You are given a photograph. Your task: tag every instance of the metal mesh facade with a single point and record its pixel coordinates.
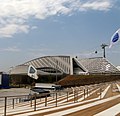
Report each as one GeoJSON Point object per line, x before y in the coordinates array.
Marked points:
{"type": "Point", "coordinates": [98, 65]}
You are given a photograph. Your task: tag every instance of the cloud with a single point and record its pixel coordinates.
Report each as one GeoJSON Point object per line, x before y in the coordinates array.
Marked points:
{"type": "Point", "coordinates": [34, 27]}
{"type": "Point", "coordinates": [15, 14]}
{"type": "Point", "coordinates": [103, 5]}
{"type": "Point", "coordinates": [10, 49]}
{"type": "Point", "coordinates": [11, 29]}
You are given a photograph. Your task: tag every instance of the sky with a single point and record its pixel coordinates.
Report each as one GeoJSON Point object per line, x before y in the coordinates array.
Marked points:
{"type": "Point", "coordinates": [34, 28]}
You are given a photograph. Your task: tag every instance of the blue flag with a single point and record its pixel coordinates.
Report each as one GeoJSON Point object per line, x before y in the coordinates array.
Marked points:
{"type": "Point", "coordinates": [115, 38]}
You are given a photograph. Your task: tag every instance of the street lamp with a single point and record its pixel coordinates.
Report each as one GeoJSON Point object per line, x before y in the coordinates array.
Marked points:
{"type": "Point", "coordinates": [103, 47]}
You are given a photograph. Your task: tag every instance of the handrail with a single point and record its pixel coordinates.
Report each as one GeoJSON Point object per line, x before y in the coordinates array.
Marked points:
{"type": "Point", "coordinates": [30, 97]}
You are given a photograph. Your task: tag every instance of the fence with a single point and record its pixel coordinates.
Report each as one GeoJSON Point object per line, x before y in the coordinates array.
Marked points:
{"type": "Point", "coordinates": [11, 101]}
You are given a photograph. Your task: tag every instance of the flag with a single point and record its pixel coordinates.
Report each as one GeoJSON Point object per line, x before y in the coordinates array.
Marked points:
{"type": "Point", "coordinates": [115, 38]}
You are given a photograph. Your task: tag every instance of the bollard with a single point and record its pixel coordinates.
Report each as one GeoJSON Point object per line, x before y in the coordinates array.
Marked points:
{"type": "Point", "coordinates": [35, 102]}
{"type": "Point", "coordinates": [67, 96]}
{"type": "Point", "coordinates": [56, 99]}
{"type": "Point", "coordinates": [87, 91]}
{"type": "Point", "coordinates": [84, 93]}
{"type": "Point", "coordinates": [13, 102]}
{"type": "Point", "coordinates": [74, 96]}
{"type": "Point", "coordinates": [46, 100]}
{"type": "Point", "coordinates": [19, 100]}
{"type": "Point", "coordinates": [100, 92]}
{"type": "Point", "coordinates": [5, 108]}
{"type": "Point", "coordinates": [77, 95]}
{"type": "Point", "coordinates": [31, 100]}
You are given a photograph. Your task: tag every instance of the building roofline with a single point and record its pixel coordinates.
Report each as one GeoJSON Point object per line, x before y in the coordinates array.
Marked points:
{"type": "Point", "coordinates": [48, 56]}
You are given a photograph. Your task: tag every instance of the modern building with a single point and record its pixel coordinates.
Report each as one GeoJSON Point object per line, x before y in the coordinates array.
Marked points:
{"type": "Point", "coordinates": [59, 65]}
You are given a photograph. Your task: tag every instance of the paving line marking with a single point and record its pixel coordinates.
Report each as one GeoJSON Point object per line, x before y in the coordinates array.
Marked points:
{"type": "Point", "coordinates": [118, 87]}
{"type": "Point", "coordinates": [72, 110]}
{"type": "Point", "coordinates": [104, 92]}
{"type": "Point", "coordinates": [113, 111]}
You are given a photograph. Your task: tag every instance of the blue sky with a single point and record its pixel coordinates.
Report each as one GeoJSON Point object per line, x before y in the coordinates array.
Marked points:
{"type": "Point", "coordinates": [33, 28]}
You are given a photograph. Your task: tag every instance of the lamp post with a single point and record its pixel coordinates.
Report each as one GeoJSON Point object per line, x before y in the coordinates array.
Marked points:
{"type": "Point", "coordinates": [103, 47]}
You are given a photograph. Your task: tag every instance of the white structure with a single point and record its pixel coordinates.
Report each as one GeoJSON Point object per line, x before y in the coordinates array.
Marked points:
{"type": "Point", "coordinates": [58, 65]}
{"type": "Point", "coordinates": [24, 70]}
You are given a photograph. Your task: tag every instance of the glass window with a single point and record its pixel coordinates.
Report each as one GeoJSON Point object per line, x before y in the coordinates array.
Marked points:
{"type": "Point", "coordinates": [32, 70]}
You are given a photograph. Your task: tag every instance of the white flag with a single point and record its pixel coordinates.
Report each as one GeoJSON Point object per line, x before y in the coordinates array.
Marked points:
{"type": "Point", "coordinates": [115, 38]}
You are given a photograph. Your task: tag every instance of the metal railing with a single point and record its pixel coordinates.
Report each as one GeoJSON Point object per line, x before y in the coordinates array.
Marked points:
{"type": "Point", "coordinates": [11, 101]}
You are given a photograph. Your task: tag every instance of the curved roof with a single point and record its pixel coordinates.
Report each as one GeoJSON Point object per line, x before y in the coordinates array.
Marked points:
{"type": "Point", "coordinates": [52, 64]}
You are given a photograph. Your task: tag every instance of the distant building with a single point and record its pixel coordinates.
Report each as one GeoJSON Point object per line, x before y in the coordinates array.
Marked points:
{"type": "Point", "coordinates": [4, 80]}
{"type": "Point", "coordinates": [59, 65]}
